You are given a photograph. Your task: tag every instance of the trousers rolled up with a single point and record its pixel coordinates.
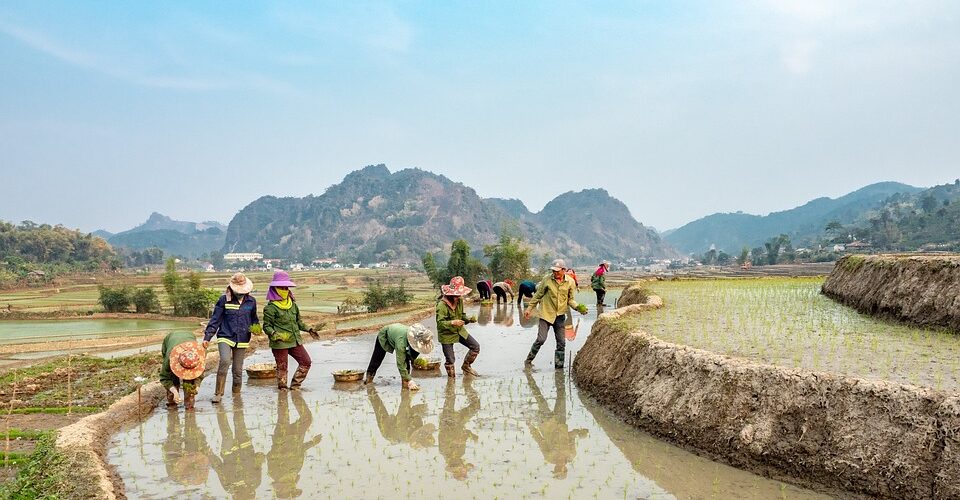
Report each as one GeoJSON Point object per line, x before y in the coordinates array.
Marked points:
{"type": "Point", "coordinates": [231, 356]}
{"type": "Point", "coordinates": [542, 330]}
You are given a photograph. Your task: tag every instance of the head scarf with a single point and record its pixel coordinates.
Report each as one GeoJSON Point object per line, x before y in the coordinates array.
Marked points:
{"type": "Point", "coordinates": [272, 294]}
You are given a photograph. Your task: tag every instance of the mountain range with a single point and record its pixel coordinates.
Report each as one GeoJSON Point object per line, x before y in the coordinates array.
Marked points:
{"type": "Point", "coordinates": [187, 239]}
{"type": "Point", "coordinates": [732, 231]}
{"type": "Point", "coordinates": [375, 215]}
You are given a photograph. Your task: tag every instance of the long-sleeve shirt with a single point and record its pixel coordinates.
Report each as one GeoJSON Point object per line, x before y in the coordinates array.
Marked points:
{"type": "Point", "coordinates": [599, 280]}
{"type": "Point", "coordinates": [527, 288]}
{"type": "Point", "coordinates": [173, 339]}
{"type": "Point", "coordinates": [554, 297]}
{"type": "Point", "coordinates": [446, 332]}
{"type": "Point", "coordinates": [231, 321]}
{"type": "Point", "coordinates": [503, 285]}
{"type": "Point", "coordinates": [283, 326]}
{"type": "Point", "coordinates": [394, 338]}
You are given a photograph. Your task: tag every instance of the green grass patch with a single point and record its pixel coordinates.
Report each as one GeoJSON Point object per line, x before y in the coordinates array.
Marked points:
{"type": "Point", "coordinates": [55, 410]}
{"type": "Point", "coordinates": [30, 434]}
{"type": "Point", "coordinates": [48, 473]}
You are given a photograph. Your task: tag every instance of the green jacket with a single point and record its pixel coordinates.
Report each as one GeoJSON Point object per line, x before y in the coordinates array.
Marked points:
{"type": "Point", "coordinates": [173, 339]}
{"type": "Point", "coordinates": [283, 326]}
{"type": "Point", "coordinates": [447, 333]}
{"type": "Point", "coordinates": [554, 297]}
{"type": "Point", "coordinates": [598, 281]}
{"type": "Point", "coordinates": [394, 338]}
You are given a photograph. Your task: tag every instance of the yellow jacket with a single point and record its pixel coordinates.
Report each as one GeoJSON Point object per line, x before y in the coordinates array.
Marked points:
{"type": "Point", "coordinates": [554, 297]}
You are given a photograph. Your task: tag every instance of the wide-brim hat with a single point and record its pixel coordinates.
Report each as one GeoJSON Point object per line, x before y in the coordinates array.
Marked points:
{"type": "Point", "coordinates": [456, 288]}
{"type": "Point", "coordinates": [239, 283]}
{"type": "Point", "coordinates": [188, 360]}
{"type": "Point", "coordinates": [281, 278]}
{"type": "Point", "coordinates": [558, 265]}
{"type": "Point", "coordinates": [420, 338]}
{"type": "Point", "coordinates": [605, 263]}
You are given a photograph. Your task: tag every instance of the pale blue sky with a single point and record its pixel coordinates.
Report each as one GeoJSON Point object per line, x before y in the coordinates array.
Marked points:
{"type": "Point", "coordinates": [112, 110]}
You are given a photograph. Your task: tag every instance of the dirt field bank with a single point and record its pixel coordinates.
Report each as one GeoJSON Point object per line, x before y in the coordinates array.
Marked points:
{"type": "Point", "coordinates": [920, 289]}
{"type": "Point", "coordinates": [833, 433]}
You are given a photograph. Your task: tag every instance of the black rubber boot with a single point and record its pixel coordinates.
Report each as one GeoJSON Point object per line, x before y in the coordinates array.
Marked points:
{"type": "Point", "coordinates": [558, 358]}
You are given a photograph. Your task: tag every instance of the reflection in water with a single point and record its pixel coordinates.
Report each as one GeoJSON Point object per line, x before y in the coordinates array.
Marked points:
{"type": "Point", "coordinates": [504, 315]}
{"type": "Point", "coordinates": [570, 328]}
{"type": "Point", "coordinates": [185, 450]}
{"type": "Point", "coordinates": [239, 465]}
{"type": "Point", "coordinates": [453, 433]}
{"type": "Point", "coordinates": [290, 445]}
{"type": "Point", "coordinates": [486, 312]}
{"type": "Point", "coordinates": [557, 442]}
{"type": "Point", "coordinates": [407, 425]}
{"type": "Point", "coordinates": [530, 322]}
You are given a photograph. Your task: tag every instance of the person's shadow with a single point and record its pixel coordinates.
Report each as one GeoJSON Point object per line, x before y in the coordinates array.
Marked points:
{"type": "Point", "coordinates": [185, 451]}
{"type": "Point", "coordinates": [453, 433]}
{"type": "Point", "coordinates": [407, 425]}
{"type": "Point", "coordinates": [556, 441]}
{"type": "Point", "coordinates": [239, 466]}
{"type": "Point", "coordinates": [290, 445]}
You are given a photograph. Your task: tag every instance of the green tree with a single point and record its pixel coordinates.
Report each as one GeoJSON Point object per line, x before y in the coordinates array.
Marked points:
{"type": "Point", "coordinates": [115, 299]}
{"type": "Point", "coordinates": [145, 300]}
{"type": "Point", "coordinates": [744, 255]}
{"type": "Point", "coordinates": [509, 258]}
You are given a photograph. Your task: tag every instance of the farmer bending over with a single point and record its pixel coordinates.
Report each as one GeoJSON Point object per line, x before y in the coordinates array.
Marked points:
{"type": "Point", "coordinates": [184, 360]}
{"type": "Point", "coordinates": [408, 342]}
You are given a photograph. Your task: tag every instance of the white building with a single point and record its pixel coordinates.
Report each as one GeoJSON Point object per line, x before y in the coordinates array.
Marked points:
{"type": "Point", "coordinates": [242, 256]}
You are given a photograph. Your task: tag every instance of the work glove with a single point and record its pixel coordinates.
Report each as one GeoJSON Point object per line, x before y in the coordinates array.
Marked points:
{"type": "Point", "coordinates": [313, 333]}
{"type": "Point", "coordinates": [410, 384]}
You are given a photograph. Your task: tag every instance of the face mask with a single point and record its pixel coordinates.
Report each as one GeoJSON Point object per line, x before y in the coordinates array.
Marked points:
{"type": "Point", "coordinates": [283, 293]}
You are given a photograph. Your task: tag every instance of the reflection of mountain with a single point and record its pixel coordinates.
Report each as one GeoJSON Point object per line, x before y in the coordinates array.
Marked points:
{"type": "Point", "coordinates": [239, 465]}
{"type": "Point", "coordinates": [453, 433]}
{"type": "Point", "coordinates": [290, 445]}
{"type": "Point", "coordinates": [550, 430]}
{"type": "Point", "coordinates": [407, 425]}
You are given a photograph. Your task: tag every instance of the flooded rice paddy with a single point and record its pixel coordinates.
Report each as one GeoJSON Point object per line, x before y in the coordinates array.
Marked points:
{"type": "Point", "coordinates": [29, 331]}
{"type": "Point", "coordinates": [509, 433]}
{"type": "Point", "coordinates": [787, 321]}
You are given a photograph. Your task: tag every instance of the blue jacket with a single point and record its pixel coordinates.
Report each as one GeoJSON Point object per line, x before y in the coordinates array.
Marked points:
{"type": "Point", "coordinates": [231, 321]}
{"type": "Point", "coordinates": [527, 288]}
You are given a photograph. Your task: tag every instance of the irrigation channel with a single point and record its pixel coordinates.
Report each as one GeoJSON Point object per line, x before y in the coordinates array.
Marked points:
{"type": "Point", "coordinates": [509, 433]}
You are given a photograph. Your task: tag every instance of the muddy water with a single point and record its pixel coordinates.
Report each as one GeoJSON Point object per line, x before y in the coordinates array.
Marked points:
{"type": "Point", "coordinates": [18, 331]}
{"type": "Point", "coordinates": [509, 433]}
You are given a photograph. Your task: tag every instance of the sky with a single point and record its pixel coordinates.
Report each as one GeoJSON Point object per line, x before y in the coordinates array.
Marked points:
{"type": "Point", "coordinates": [112, 110]}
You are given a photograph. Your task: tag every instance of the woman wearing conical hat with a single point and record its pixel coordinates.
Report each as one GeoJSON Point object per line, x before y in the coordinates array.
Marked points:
{"type": "Point", "coordinates": [233, 317]}
{"type": "Point", "coordinates": [450, 327]}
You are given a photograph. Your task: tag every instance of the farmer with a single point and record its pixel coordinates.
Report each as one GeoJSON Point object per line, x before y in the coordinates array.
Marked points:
{"type": "Point", "coordinates": [184, 360]}
{"type": "Point", "coordinates": [483, 288]}
{"type": "Point", "coordinates": [573, 274]}
{"type": "Point", "coordinates": [501, 289]}
{"type": "Point", "coordinates": [290, 445]}
{"type": "Point", "coordinates": [233, 316]}
{"type": "Point", "coordinates": [408, 342]}
{"type": "Point", "coordinates": [450, 327]}
{"type": "Point", "coordinates": [527, 289]}
{"type": "Point", "coordinates": [554, 295]}
{"type": "Point", "coordinates": [282, 324]}
{"type": "Point", "coordinates": [599, 282]}
{"type": "Point", "coordinates": [453, 433]}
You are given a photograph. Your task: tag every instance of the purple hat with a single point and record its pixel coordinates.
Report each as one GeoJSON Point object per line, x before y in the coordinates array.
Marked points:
{"type": "Point", "coordinates": [281, 278]}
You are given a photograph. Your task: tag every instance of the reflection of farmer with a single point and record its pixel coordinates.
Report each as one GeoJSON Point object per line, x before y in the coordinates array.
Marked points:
{"type": "Point", "coordinates": [290, 445]}
{"type": "Point", "coordinates": [504, 315]}
{"type": "Point", "coordinates": [238, 466]}
{"type": "Point", "coordinates": [485, 315]}
{"type": "Point", "coordinates": [282, 324]}
{"type": "Point", "coordinates": [232, 317]}
{"type": "Point", "coordinates": [501, 289]}
{"type": "Point", "coordinates": [453, 433]}
{"type": "Point", "coordinates": [569, 329]}
{"type": "Point", "coordinates": [554, 295]}
{"type": "Point", "coordinates": [185, 451]}
{"type": "Point", "coordinates": [599, 282]}
{"type": "Point", "coordinates": [408, 342]}
{"type": "Point", "coordinates": [407, 425]}
{"type": "Point", "coordinates": [184, 360]}
{"type": "Point", "coordinates": [556, 441]}
{"type": "Point", "coordinates": [526, 289]}
{"type": "Point", "coordinates": [450, 327]}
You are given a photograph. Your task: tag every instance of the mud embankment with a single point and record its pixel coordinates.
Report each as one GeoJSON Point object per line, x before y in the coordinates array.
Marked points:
{"type": "Point", "coordinates": [820, 430]}
{"type": "Point", "coordinates": [919, 289]}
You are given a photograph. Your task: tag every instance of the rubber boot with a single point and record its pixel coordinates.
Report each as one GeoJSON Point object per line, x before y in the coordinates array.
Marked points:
{"type": "Point", "coordinates": [558, 358]}
{"type": "Point", "coordinates": [451, 370]}
{"type": "Point", "coordinates": [298, 377]}
{"type": "Point", "coordinates": [237, 385]}
{"type": "Point", "coordinates": [533, 354]}
{"type": "Point", "coordinates": [468, 363]}
{"type": "Point", "coordinates": [369, 379]}
{"type": "Point", "coordinates": [282, 380]}
{"type": "Point", "coordinates": [188, 401]}
{"type": "Point", "coordinates": [218, 391]}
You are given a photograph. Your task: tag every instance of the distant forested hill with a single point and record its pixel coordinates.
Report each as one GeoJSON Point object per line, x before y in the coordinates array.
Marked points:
{"type": "Point", "coordinates": [733, 231]}
{"type": "Point", "coordinates": [187, 239]}
{"type": "Point", "coordinates": [30, 247]}
{"type": "Point", "coordinates": [374, 215]}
